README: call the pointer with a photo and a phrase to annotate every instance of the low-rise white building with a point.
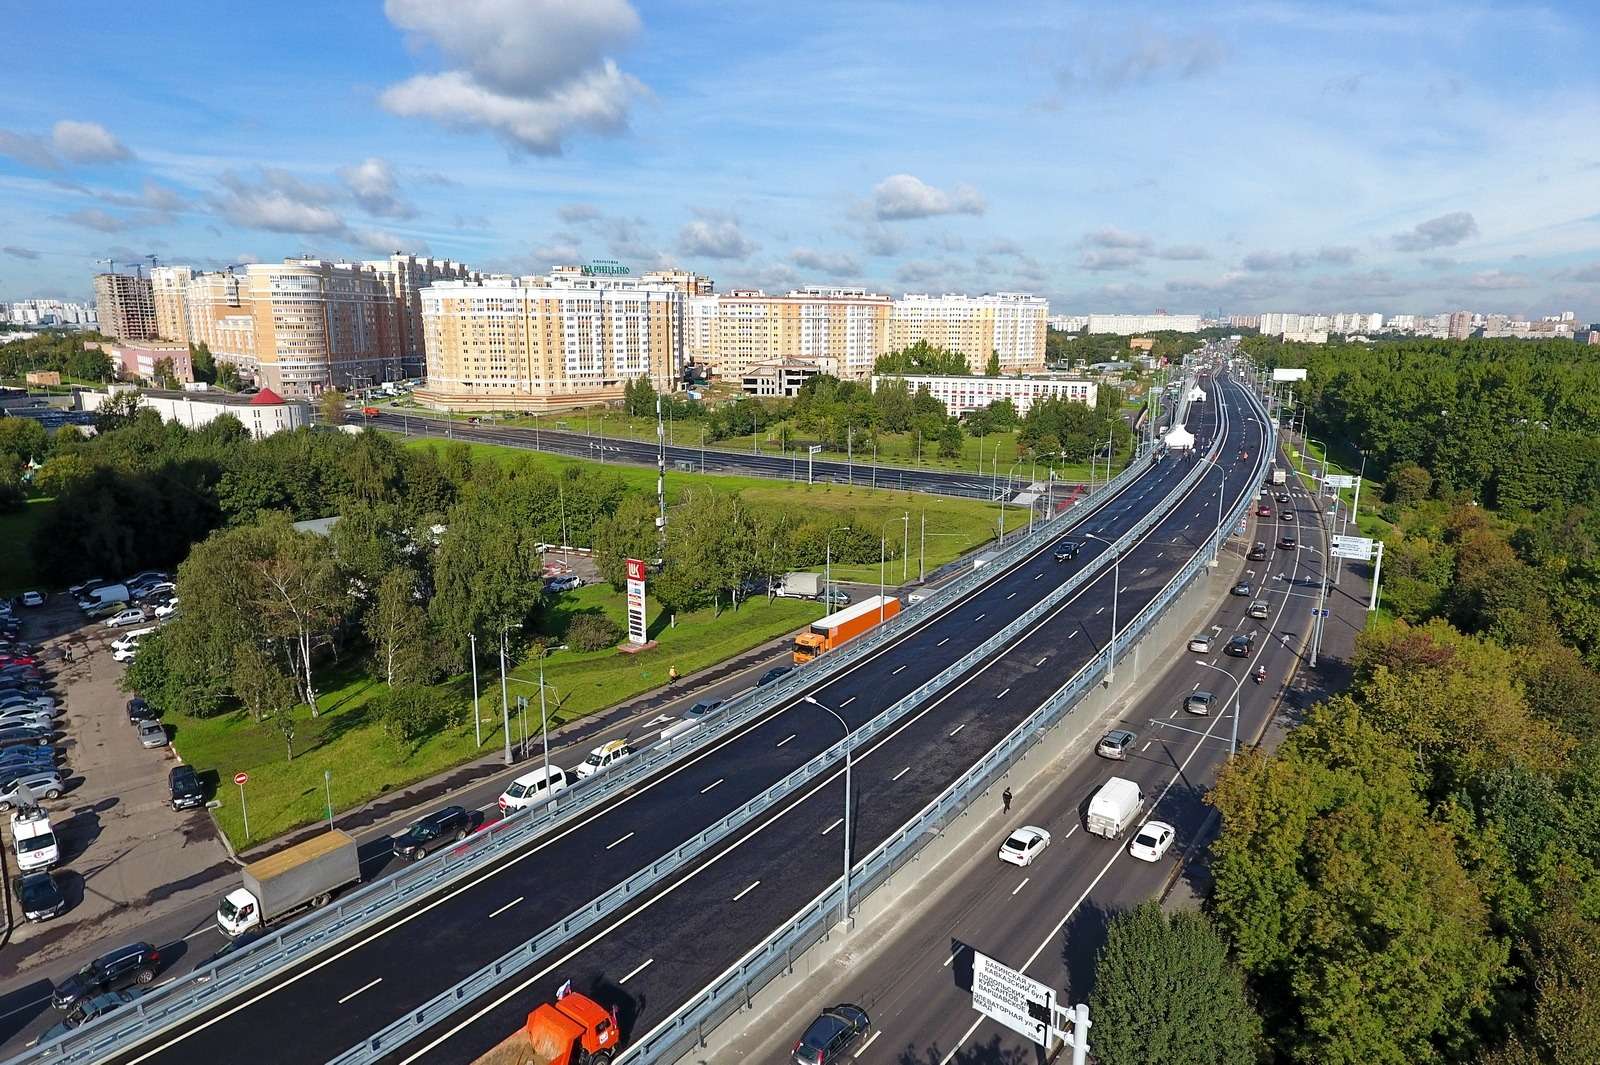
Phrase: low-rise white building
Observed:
(263, 413)
(962, 395)
(1129, 324)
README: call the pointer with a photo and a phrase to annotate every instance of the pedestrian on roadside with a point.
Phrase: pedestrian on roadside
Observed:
(672, 674)
(1005, 801)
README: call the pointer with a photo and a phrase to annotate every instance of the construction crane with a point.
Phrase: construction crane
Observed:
(154, 262)
(111, 265)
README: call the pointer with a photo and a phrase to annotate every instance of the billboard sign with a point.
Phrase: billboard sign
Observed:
(636, 623)
(1357, 547)
(1340, 480)
(1019, 1002)
(1288, 374)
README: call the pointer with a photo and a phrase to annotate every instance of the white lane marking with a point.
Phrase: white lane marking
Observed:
(624, 839)
(1100, 611)
(357, 991)
(1146, 746)
(191, 935)
(786, 739)
(1022, 885)
(1002, 695)
(900, 774)
(896, 670)
(980, 617)
(1013, 595)
(1036, 576)
(847, 702)
(942, 642)
(873, 1039)
(711, 785)
(507, 906)
(1070, 831)
(754, 884)
(833, 826)
(26, 1006)
(959, 727)
(1074, 633)
(1196, 687)
(641, 968)
(1042, 661)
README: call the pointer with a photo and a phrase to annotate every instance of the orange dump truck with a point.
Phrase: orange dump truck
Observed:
(572, 1030)
(844, 625)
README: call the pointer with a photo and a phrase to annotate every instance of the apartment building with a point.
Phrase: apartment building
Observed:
(841, 331)
(405, 276)
(1129, 324)
(963, 395)
(685, 281)
(1011, 324)
(537, 343)
(169, 292)
(124, 306)
(220, 315)
(320, 325)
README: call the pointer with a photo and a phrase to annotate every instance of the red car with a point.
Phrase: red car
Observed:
(1263, 511)
(18, 660)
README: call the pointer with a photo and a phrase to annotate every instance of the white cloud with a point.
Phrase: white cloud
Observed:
(372, 183)
(903, 196)
(87, 142)
(1266, 261)
(28, 150)
(880, 241)
(532, 71)
(1110, 259)
(1495, 280)
(1183, 253)
(1107, 58)
(573, 213)
(715, 236)
(561, 249)
(834, 264)
(1112, 237)
(1445, 231)
(382, 241)
(279, 202)
(19, 253)
(96, 219)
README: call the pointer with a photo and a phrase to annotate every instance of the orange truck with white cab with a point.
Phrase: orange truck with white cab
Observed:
(572, 1030)
(846, 624)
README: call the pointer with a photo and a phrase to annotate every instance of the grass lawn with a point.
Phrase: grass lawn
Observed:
(349, 743)
(16, 557)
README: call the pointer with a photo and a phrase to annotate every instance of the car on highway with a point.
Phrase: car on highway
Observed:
(1258, 609)
(533, 787)
(603, 757)
(31, 598)
(1024, 845)
(1200, 643)
(152, 734)
(1240, 646)
(135, 963)
(774, 674)
(1286, 543)
(1283, 497)
(1115, 744)
(185, 791)
(39, 783)
(1242, 589)
(1258, 552)
(85, 1011)
(432, 831)
(1286, 516)
(1263, 511)
(132, 615)
(1152, 841)
(830, 1037)
(1199, 702)
(1067, 550)
(40, 895)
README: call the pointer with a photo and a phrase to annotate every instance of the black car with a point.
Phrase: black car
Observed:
(40, 895)
(1283, 497)
(133, 964)
(21, 735)
(427, 833)
(1258, 553)
(1067, 550)
(1286, 543)
(184, 788)
(139, 710)
(1242, 589)
(775, 673)
(1240, 646)
(835, 1031)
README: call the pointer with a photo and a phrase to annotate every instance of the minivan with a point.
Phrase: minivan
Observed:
(532, 787)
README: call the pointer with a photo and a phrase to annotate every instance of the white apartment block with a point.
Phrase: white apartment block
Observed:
(1010, 324)
(48, 312)
(1068, 323)
(963, 395)
(1131, 324)
(840, 330)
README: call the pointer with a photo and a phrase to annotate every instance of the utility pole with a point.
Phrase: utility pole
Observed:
(661, 481)
(477, 719)
(922, 556)
(505, 701)
(905, 550)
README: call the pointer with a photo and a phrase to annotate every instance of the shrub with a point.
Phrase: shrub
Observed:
(593, 632)
(411, 713)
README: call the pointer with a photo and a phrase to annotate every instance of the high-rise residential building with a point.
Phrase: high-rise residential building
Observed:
(1129, 324)
(687, 282)
(405, 276)
(48, 312)
(1245, 321)
(564, 340)
(219, 314)
(321, 325)
(1459, 326)
(169, 290)
(124, 306)
(1010, 324)
(840, 330)
(1068, 323)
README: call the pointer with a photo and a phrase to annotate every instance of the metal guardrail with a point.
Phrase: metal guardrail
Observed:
(733, 989)
(295, 942)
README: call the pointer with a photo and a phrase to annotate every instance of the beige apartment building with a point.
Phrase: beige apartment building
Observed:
(405, 276)
(321, 325)
(169, 289)
(124, 306)
(219, 315)
(542, 343)
(841, 331)
(1010, 323)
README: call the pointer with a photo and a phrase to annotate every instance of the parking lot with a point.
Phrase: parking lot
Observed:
(126, 857)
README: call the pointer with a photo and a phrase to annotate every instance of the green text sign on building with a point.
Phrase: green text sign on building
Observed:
(606, 268)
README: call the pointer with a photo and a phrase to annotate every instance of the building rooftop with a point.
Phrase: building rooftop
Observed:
(264, 398)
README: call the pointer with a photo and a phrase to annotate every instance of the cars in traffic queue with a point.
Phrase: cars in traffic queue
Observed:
(533, 787)
(691, 718)
(1115, 744)
(136, 963)
(152, 734)
(1200, 643)
(1258, 610)
(1283, 497)
(1199, 702)
(185, 790)
(1113, 808)
(832, 1035)
(774, 674)
(1024, 845)
(1258, 552)
(87, 1010)
(432, 831)
(1264, 511)
(39, 895)
(1286, 543)
(1152, 840)
(226, 955)
(1243, 590)
(602, 758)
(1240, 645)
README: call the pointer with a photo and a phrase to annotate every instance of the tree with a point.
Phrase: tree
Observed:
(283, 725)
(398, 629)
(992, 368)
(259, 682)
(330, 407)
(1165, 993)
(163, 373)
(60, 472)
(628, 533)
(410, 713)
(228, 377)
(117, 411)
(639, 398)
(203, 363)
(298, 595)
(487, 574)
(922, 358)
(951, 439)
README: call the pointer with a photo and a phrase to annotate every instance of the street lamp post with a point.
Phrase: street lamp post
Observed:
(847, 761)
(1233, 744)
(1014, 465)
(1216, 546)
(477, 719)
(1116, 587)
(505, 699)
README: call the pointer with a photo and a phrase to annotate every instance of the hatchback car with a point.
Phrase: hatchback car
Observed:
(135, 963)
(32, 598)
(126, 616)
(1240, 646)
(569, 583)
(40, 894)
(184, 788)
(1283, 497)
(836, 597)
(152, 734)
(603, 757)
(1242, 589)
(1024, 845)
(167, 609)
(1152, 841)
(1258, 609)
(1258, 552)
(531, 788)
(1200, 643)
(139, 710)
(1263, 511)
(39, 783)
(1286, 543)
(1199, 702)
(433, 831)
(774, 674)
(1115, 744)
(830, 1037)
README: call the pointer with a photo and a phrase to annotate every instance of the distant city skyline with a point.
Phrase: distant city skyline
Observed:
(1190, 157)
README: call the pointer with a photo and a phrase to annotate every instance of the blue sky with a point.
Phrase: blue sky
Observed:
(1407, 156)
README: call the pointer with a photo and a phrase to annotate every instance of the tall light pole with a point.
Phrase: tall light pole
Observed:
(905, 549)
(1233, 744)
(827, 564)
(1216, 547)
(1116, 586)
(1014, 465)
(477, 719)
(505, 699)
(847, 755)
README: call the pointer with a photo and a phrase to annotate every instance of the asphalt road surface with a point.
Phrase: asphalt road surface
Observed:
(648, 958)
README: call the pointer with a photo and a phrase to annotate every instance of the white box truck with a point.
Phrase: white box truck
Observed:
(798, 586)
(1114, 807)
(280, 885)
(106, 593)
(1279, 475)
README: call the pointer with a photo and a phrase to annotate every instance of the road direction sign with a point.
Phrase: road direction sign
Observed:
(241, 779)
(1357, 547)
(1340, 480)
(1019, 1002)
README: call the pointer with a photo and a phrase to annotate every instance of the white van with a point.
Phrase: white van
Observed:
(35, 839)
(130, 640)
(532, 788)
(1114, 807)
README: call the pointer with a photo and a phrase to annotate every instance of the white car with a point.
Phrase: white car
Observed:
(33, 599)
(1024, 845)
(531, 788)
(124, 654)
(27, 717)
(122, 618)
(131, 639)
(603, 757)
(167, 609)
(1200, 644)
(1152, 841)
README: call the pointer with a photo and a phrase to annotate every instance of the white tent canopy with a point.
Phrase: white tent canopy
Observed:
(1179, 439)
(1197, 394)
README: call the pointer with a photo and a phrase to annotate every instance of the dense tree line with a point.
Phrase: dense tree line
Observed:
(64, 353)
(1083, 347)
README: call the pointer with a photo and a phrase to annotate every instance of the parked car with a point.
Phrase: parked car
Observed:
(27, 717)
(104, 610)
(40, 783)
(435, 829)
(17, 735)
(184, 789)
(532, 787)
(1115, 744)
(32, 598)
(1240, 646)
(26, 701)
(152, 734)
(603, 757)
(124, 654)
(1152, 841)
(9, 659)
(85, 587)
(836, 597)
(125, 617)
(17, 759)
(1024, 845)
(1199, 702)
(567, 583)
(135, 963)
(1200, 643)
(167, 609)
(773, 674)
(40, 895)
(161, 589)
(139, 710)
(831, 1035)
